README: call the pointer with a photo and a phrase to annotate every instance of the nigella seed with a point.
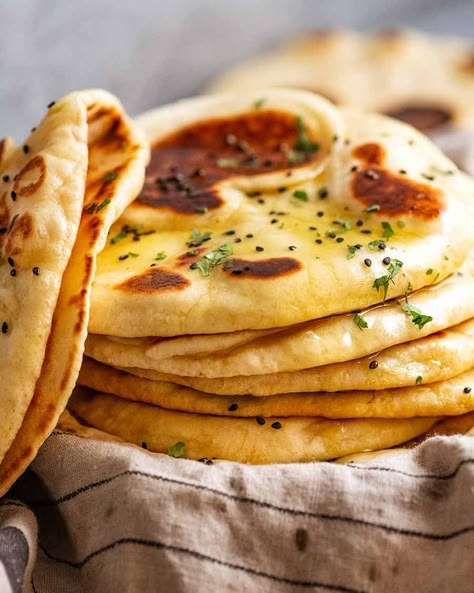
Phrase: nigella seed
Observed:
(6, 178)
(386, 260)
(13, 195)
(354, 168)
(368, 262)
(292, 247)
(373, 364)
(229, 233)
(260, 420)
(467, 390)
(36, 271)
(4, 327)
(319, 241)
(261, 201)
(51, 104)
(381, 246)
(359, 223)
(26, 148)
(11, 262)
(122, 257)
(193, 266)
(237, 240)
(312, 228)
(366, 231)
(13, 272)
(249, 236)
(339, 239)
(144, 445)
(258, 248)
(274, 220)
(276, 425)
(281, 190)
(332, 235)
(237, 272)
(198, 173)
(320, 213)
(233, 407)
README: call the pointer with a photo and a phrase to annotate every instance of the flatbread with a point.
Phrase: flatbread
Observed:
(437, 357)
(425, 80)
(86, 154)
(227, 148)
(322, 342)
(443, 398)
(241, 439)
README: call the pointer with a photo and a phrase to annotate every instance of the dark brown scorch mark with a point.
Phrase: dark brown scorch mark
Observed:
(154, 280)
(424, 117)
(22, 229)
(186, 166)
(274, 267)
(394, 194)
(31, 177)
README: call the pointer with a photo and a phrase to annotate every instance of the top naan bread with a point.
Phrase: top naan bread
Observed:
(424, 80)
(62, 190)
(268, 209)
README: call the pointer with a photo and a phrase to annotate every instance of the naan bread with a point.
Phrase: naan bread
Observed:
(437, 357)
(81, 167)
(271, 260)
(241, 439)
(425, 80)
(443, 398)
(325, 341)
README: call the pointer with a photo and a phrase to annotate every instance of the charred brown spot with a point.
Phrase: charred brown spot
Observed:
(467, 66)
(154, 280)
(395, 194)
(424, 117)
(371, 153)
(19, 233)
(31, 177)
(190, 256)
(274, 267)
(186, 166)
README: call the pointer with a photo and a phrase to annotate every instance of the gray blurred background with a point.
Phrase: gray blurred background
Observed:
(151, 52)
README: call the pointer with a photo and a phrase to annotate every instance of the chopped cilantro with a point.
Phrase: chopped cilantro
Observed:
(387, 230)
(198, 238)
(294, 157)
(416, 315)
(429, 271)
(342, 222)
(258, 104)
(132, 254)
(400, 224)
(303, 143)
(300, 194)
(393, 268)
(439, 171)
(214, 258)
(117, 238)
(419, 379)
(161, 255)
(360, 322)
(103, 204)
(110, 176)
(177, 450)
(351, 251)
(371, 208)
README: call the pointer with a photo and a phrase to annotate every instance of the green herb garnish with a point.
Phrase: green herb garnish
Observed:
(259, 103)
(387, 230)
(103, 204)
(429, 271)
(161, 255)
(393, 268)
(214, 258)
(418, 380)
(400, 224)
(303, 143)
(416, 315)
(439, 171)
(110, 176)
(132, 254)
(342, 222)
(294, 157)
(360, 322)
(198, 238)
(351, 251)
(300, 194)
(117, 238)
(371, 208)
(177, 450)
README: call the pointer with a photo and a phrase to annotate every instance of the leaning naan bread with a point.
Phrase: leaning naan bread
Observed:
(444, 398)
(311, 344)
(425, 80)
(81, 167)
(436, 357)
(280, 187)
(241, 439)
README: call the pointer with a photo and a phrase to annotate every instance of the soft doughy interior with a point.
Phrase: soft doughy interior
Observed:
(426, 80)
(331, 340)
(443, 398)
(112, 159)
(241, 439)
(288, 264)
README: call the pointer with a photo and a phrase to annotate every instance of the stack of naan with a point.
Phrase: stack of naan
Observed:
(294, 282)
(60, 191)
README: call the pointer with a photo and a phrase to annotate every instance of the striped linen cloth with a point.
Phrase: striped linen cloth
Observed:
(115, 518)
